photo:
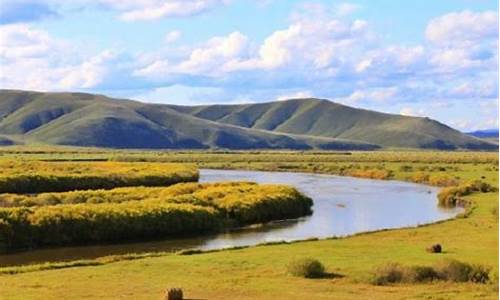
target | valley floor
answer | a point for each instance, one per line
(260, 272)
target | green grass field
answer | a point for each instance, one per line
(261, 272)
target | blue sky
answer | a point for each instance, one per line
(425, 58)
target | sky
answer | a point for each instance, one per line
(430, 58)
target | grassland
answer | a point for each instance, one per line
(260, 272)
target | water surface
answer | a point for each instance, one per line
(342, 206)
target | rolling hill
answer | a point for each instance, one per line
(324, 118)
(82, 119)
(93, 120)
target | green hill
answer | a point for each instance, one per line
(316, 117)
(82, 119)
(93, 120)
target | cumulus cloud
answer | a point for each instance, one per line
(32, 59)
(461, 41)
(460, 27)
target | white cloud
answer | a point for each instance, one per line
(181, 94)
(156, 68)
(385, 94)
(408, 111)
(172, 36)
(460, 27)
(32, 59)
(296, 95)
(317, 42)
(215, 54)
(147, 10)
(89, 73)
(392, 58)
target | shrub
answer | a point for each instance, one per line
(442, 180)
(388, 273)
(420, 177)
(451, 196)
(307, 268)
(370, 173)
(479, 274)
(419, 274)
(449, 270)
(454, 270)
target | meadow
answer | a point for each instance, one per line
(261, 272)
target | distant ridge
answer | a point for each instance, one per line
(486, 133)
(83, 119)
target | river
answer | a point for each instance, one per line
(342, 206)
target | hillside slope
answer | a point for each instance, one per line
(93, 120)
(324, 118)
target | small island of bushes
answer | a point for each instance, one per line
(82, 217)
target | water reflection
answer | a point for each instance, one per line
(342, 206)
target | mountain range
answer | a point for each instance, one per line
(82, 119)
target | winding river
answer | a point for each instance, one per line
(342, 206)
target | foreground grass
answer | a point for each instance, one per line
(260, 272)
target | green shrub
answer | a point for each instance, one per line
(307, 268)
(388, 273)
(448, 270)
(479, 274)
(418, 274)
(454, 270)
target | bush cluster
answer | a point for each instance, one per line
(143, 212)
(39, 177)
(84, 223)
(452, 196)
(448, 270)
